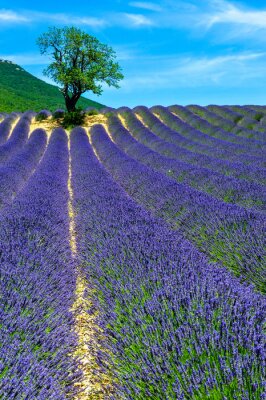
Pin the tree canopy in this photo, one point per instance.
(80, 63)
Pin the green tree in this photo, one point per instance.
(79, 63)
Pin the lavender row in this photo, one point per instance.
(177, 327)
(230, 151)
(228, 234)
(258, 109)
(182, 118)
(226, 113)
(213, 115)
(6, 126)
(18, 138)
(177, 136)
(191, 138)
(207, 122)
(241, 128)
(212, 120)
(37, 285)
(251, 119)
(164, 142)
(247, 111)
(15, 172)
(227, 189)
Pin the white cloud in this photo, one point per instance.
(228, 13)
(136, 20)
(29, 16)
(176, 72)
(9, 16)
(69, 19)
(145, 5)
(194, 16)
(128, 20)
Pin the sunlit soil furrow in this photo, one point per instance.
(124, 123)
(95, 119)
(94, 384)
(174, 114)
(139, 117)
(11, 129)
(48, 125)
(161, 120)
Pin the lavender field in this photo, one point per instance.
(132, 255)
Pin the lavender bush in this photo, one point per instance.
(167, 214)
(225, 232)
(18, 137)
(188, 150)
(15, 172)
(227, 189)
(37, 285)
(59, 113)
(5, 126)
(178, 327)
(43, 115)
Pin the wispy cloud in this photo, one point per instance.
(228, 13)
(9, 16)
(29, 16)
(145, 5)
(122, 19)
(201, 16)
(175, 72)
(137, 19)
(195, 16)
(69, 19)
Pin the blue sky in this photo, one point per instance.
(170, 51)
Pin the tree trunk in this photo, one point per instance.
(71, 102)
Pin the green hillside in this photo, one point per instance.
(21, 91)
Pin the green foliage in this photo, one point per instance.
(58, 114)
(92, 112)
(80, 62)
(21, 91)
(41, 116)
(73, 118)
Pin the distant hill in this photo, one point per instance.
(21, 91)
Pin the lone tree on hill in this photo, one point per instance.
(80, 63)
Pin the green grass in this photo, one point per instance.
(21, 91)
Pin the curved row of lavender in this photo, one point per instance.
(37, 284)
(229, 234)
(209, 144)
(193, 139)
(242, 121)
(177, 327)
(18, 137)
(168, 142)
(15, 171)
(248, 122)
(6, 126)
(210, 122)
(228, 189)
